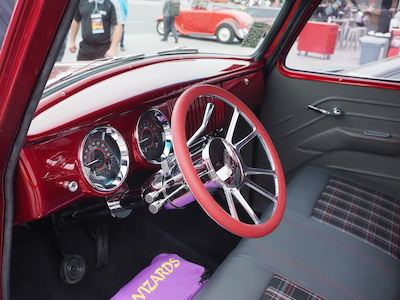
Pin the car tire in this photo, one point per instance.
(225, 34)
(160, 27)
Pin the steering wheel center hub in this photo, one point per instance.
(222, 162)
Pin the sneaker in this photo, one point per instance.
(123, 48)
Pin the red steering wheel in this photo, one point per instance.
(233, 174)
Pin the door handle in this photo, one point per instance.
(336, 112)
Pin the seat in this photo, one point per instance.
(355, 33)
(342, 32)
(339, 239)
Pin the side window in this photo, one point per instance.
(6, 10)
(355, 38)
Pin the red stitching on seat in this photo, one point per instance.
(304, 269)
(333, 241)
(360, 211)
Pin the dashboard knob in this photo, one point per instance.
(72, 186)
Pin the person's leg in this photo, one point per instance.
(122, 38)
(167, 28)
(173, 29)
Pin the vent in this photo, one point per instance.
(196, 112)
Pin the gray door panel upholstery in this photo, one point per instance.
(365, 139)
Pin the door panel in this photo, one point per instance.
(364, 140)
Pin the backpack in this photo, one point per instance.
(174, 7)
(333, 8)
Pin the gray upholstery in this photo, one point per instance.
(316, 256)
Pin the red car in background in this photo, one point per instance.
(223, 21)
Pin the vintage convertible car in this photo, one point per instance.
(205, 18)
(279, 179)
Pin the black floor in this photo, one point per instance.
(132, 243)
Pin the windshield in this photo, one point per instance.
(208, 26)
(340, 37)
(6, 9)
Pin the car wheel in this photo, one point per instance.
(160, 27)
(225, 34)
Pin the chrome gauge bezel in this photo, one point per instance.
(164, 128)
(120, 160)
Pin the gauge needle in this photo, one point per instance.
(144, 140)
(92, 162)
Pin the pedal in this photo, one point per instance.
(102, 245)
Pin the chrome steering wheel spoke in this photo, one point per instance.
(262, 191)
(232, 125)
(231, 203)
(233, 193)
(247, 139)
(258, 171)
(243, 202)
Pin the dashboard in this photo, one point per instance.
(104, 140)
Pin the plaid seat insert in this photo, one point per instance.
(282, 289)
(362, 212)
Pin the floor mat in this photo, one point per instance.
(132, 243)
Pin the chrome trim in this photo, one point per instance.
(233, 173)
(206, 118)
(166, 135)
(230, 176)
(336, 112)
(123, 158)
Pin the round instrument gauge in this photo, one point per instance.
(104, 158)
(153, 134)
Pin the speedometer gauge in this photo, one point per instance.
(153, 135)
(104, 158)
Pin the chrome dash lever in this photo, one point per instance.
(206, 119)
(336, 112)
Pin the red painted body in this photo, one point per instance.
(21, 60)
(202, 21)
(202, 18)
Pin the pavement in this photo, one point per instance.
(342, 58)
(141, 37)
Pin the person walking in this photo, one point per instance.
(124, 7)
(101, 29)
(170, 10)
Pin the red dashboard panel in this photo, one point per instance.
(50, 174)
